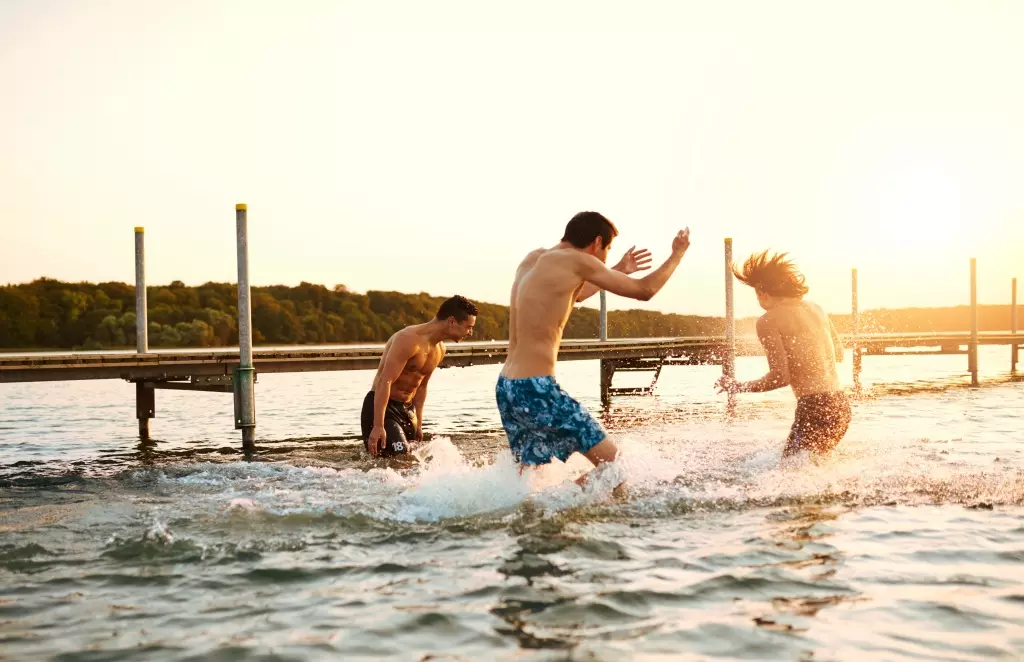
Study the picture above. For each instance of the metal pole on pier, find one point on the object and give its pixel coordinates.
(145, 397)
(141, 325)
(729, 361)
(855, 313)
(972, 350)
(1013, 325)
(245, 373)
(604, 316)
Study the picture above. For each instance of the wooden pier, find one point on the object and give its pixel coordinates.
(234, 370)
(215, 369)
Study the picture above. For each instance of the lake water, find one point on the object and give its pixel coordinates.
(907, 544)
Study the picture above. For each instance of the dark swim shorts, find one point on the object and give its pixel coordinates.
(543, 421)
(399, 424)
(821, 421)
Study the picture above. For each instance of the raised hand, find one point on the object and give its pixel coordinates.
(634, 260)
(681, 242)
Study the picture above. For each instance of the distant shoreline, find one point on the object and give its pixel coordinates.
(48, 315)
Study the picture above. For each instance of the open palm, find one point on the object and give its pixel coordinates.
(634, 260)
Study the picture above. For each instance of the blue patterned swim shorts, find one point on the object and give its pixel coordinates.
(543, 421)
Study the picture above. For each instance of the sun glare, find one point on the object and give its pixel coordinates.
(915, 206)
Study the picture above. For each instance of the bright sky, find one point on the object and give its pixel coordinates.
(427, 146)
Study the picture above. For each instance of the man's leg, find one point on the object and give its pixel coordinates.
(366, 419)
(397, 443)
(605, 451)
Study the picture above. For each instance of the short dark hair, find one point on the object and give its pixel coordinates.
(773, 275)
(458, 307)
(586, 226)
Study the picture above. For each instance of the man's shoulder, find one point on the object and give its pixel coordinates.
(534, 255)
(566, 257)
(407, 336)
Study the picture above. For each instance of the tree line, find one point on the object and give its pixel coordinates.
(50, 314)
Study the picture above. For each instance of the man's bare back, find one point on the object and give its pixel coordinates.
(548, 283)
(545, 289)
(811, 344)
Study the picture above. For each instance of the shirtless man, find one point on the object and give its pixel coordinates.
(542, 421)
(392, 413)
(802, 348)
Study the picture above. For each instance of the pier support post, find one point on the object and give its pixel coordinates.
(144, 397)
(1013, 325)
(855, 314)
(604, 316)
(607, 371)
(729, 360)
(145, 407)
(972, 351)
(245, 374)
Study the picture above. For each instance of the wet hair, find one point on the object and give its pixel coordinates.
(773, 275)
(458, 307)
(586, 226)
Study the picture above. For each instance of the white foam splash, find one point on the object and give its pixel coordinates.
(158, 532)
(667, 466)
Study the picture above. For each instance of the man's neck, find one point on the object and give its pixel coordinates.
(434, 331)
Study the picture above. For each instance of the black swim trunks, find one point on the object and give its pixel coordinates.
(820, 423)
(399, 424)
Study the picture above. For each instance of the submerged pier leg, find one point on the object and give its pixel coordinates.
(972, 351)
(607, 371)
(145, 407)
(245, 375)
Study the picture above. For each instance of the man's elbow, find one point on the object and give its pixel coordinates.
(645, 292)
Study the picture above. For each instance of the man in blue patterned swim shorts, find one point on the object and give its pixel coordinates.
(542, 421)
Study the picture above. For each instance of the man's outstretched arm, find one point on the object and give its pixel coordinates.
(778, 364)
(633, 261)
(594, 271)
(398, 355)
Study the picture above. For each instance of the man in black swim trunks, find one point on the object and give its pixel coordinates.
(802, 348)
(392, 415)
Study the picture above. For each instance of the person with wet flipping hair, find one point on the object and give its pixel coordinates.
(392, 415)
(802, 348)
